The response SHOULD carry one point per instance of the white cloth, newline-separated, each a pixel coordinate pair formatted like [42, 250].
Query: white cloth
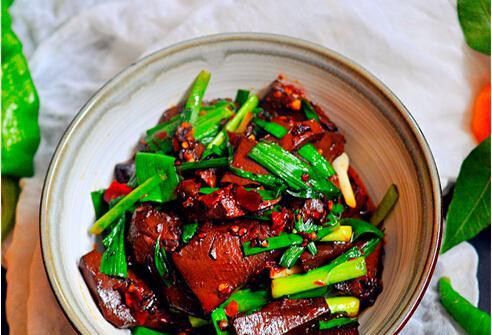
[415, 47]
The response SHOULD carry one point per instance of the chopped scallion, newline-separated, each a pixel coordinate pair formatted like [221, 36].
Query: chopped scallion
[127, 202]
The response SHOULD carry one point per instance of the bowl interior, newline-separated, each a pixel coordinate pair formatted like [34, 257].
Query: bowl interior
[383, 144]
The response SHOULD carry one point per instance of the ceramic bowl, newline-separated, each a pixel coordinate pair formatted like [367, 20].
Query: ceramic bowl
[383, 141]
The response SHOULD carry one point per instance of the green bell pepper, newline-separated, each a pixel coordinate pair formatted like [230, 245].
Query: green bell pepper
[20, 105]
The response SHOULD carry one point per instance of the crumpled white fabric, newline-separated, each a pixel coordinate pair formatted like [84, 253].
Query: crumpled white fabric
[415, 47]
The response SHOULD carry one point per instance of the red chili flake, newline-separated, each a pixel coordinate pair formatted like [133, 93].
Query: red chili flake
[160, 135]
[202, 235]
[316, 215]
[277, 94]
[223, 287]
[313, 236]
[232, 309]
[223, 324]
[243, 231]
[320, 151]
[264, 243]
[185, 145]
[305, 177]
[235, 229]
[330, 204]
[116, 190]
[319, 283]
[296, 105]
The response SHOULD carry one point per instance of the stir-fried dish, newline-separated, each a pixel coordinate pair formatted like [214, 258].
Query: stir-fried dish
[238, 217]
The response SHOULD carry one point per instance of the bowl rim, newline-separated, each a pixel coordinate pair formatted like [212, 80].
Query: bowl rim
[44, 232]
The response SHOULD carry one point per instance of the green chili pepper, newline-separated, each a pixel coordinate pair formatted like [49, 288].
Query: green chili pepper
[472, 319]
[20, 105]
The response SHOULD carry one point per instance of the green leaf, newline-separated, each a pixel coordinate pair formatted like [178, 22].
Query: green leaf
[474, 16]
[148, 165]
[469, 211]
[336, 323]
[472, 319]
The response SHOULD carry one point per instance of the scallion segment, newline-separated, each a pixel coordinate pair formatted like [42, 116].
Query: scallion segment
[210, 163]
[314, 293]
[208, 124]
[194, 102]
[340, 234]
[113, 261]
[247, 300]
[336, 323]
[272, 128]
[275, 242]
[267, 180]
[320, 165]
[386, 205]
[241, 96]
[297, 174]
[127, 202]
[146, 331]
[218, 317]
[347, 305]
[231, 126]
[341, 269]
[162, 264]
[100, 206]
[291, 255]
[309, 110]
[150, 164]
[361, 227]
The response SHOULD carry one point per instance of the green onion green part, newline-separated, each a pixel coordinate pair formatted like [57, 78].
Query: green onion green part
[309, 110]
[336, 323]
[320, 165]
[113, 261]
[241, 96]
[189, 230]
[217, 316]
[194, 102]
[231, 126]
[210, 163]
[272, 128]
[360, 227]
[146, 331]
[161, 263]
[127, 202]
[314, 293]
[265, 179]
[248, 300]
[290, 168]
[100, 206]
[385, 206]
[275, 242]
[290, 256]
[150, 164]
